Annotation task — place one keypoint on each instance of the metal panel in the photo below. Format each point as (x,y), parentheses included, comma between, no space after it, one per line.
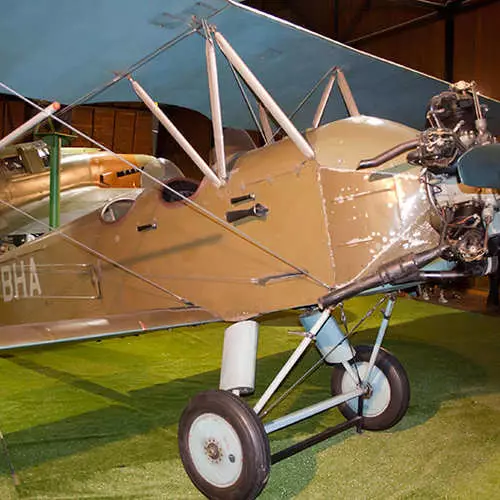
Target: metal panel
(372,217)
(198,258)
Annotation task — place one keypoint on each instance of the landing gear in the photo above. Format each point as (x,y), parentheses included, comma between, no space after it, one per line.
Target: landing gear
(223,446)
(387,392)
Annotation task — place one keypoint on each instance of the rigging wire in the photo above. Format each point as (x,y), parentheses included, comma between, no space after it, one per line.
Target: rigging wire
(307,97)
(92,251)
(247,100)
(137,65)
(200,209)
(349,334)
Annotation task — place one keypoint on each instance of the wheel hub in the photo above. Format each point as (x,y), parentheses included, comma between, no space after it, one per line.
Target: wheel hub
(376,393)
(213,451)
(368,391)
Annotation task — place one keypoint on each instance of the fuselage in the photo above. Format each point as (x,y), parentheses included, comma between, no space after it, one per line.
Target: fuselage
(327,224)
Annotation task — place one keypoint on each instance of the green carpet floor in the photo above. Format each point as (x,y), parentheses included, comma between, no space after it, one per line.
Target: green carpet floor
(99,419)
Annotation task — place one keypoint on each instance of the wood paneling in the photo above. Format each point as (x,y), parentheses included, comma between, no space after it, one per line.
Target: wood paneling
(319,14)
(123,139)
(104,126)
(422,47)
(477,50)
(361,17)
(143,142)
(14,114)
(82,118)
(419,47)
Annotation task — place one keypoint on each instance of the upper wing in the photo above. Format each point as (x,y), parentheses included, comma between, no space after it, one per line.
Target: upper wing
(104,39)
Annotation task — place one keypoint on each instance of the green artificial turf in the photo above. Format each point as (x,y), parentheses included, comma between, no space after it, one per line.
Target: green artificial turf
(99,419)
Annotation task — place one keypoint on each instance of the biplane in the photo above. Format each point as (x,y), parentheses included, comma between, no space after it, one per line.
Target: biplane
(399,191)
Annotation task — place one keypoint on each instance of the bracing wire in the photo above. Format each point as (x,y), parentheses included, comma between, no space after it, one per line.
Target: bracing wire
(200,209)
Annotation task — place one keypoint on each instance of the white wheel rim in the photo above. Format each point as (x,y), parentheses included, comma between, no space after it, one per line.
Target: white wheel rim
(380,390)
(216,450)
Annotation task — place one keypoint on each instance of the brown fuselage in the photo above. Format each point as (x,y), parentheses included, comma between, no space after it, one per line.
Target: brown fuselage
(327,225)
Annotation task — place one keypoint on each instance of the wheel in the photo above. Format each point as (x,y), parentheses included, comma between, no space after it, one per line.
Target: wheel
(223,446)
(388,393)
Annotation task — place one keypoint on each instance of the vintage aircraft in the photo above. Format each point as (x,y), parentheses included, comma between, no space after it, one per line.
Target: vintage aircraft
(359,205)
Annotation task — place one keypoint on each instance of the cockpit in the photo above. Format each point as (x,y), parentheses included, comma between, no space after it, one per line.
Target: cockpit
(24,158)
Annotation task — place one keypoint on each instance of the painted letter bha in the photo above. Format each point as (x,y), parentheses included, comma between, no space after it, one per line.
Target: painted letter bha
(7,287)
(35,288)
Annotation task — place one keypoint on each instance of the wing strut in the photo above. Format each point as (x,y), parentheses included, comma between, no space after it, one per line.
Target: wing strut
(213,87)
(345,91)
(273,108)
(324,100)
(266,126)
(175,133)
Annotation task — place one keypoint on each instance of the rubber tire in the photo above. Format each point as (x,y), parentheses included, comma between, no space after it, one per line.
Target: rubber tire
(250,431)
(398,383)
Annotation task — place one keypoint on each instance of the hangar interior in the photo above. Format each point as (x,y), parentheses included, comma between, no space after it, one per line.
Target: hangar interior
(100,419)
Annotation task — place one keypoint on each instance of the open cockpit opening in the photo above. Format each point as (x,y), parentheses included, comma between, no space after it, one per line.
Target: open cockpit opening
(184,187)
(116,209)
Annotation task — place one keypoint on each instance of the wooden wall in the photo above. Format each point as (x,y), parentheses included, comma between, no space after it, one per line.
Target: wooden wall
(12,114)
(420,47)
(477,49)
(122,130)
